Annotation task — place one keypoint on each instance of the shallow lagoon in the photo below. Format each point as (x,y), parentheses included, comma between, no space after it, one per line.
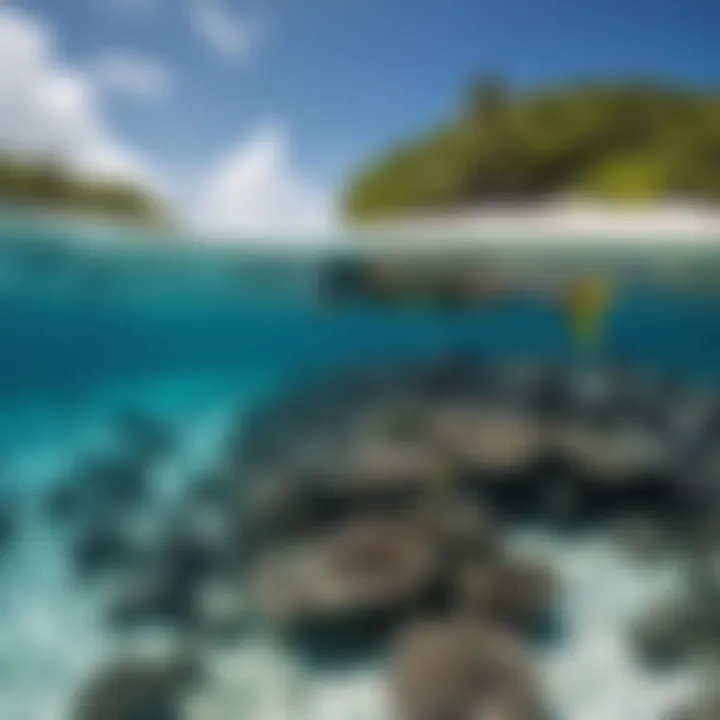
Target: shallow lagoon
(85,336)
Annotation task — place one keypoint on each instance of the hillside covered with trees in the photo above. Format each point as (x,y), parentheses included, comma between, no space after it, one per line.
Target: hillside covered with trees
(614,141)
(51,186)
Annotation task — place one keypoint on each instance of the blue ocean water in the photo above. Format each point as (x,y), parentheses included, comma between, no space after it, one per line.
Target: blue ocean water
(87,328)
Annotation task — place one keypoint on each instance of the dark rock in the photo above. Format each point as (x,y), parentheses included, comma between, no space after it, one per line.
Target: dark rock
(515,593)
(379,473)
(641,538)
(367,569)
(493,452)
(458,374)
(100,547)
(122,480)
(284,509)
(562,495)
(101,484)
(541,388)
(144,598)
(463,531)
(620,470)
(136,690)
(366,477)
(611,454)
(494,442)
(703,705)
(594,396)
(531,591)
(687,624)
(165,585)
(667,635)
(653,401)
(462,670)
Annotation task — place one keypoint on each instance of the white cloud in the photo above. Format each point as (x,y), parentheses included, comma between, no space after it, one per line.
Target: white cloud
(50,109)
(129,73)
(255,190)
(227,33)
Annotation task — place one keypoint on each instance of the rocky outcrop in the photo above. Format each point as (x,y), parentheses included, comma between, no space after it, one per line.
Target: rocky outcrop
(513,593)
(367,501)
(703,705)
(460,669)
(101,546)
(366,569)
(136,690)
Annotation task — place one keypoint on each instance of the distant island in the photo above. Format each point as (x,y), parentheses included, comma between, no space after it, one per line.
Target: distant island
(51,186)
(613,141)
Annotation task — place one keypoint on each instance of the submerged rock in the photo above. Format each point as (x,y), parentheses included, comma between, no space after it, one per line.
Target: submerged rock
(687,624)
(367,477)
(562,497)
(101,546)
(222,609)
(122,481)
(114,483)
(641,538)
(462,670)
(165,585)
(284,508)
(619,471)
(667,635)
(491,441)
(531,589)
(462,530)
(385,473)
(136,690)
(540,388)
(456,374)
(514,593)
(591,392)
(147,598)
(493,454)
(608,454)
(704,703)
(366,569)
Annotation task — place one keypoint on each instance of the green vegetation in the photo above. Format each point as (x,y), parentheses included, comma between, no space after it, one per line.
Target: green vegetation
(51,186)
(616,141)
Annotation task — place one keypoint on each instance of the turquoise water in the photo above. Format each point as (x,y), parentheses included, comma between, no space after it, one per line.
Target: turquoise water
(197,335)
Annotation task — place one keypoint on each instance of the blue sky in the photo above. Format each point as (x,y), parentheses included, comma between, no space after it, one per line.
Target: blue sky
(322,83)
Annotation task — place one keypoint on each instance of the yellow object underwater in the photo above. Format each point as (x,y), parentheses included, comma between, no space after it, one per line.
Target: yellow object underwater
(585,306)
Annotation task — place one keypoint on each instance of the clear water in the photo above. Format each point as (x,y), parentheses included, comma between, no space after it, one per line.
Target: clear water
(196,335)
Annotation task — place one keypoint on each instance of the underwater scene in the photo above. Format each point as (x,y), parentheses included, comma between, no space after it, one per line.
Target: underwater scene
(233,486)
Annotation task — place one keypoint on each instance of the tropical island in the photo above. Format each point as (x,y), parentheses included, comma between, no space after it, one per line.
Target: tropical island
(616,141)
(571,174)
(52,186)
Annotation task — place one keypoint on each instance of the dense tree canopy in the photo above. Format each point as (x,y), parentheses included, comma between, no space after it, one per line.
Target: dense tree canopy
(630,140)
(50,186)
